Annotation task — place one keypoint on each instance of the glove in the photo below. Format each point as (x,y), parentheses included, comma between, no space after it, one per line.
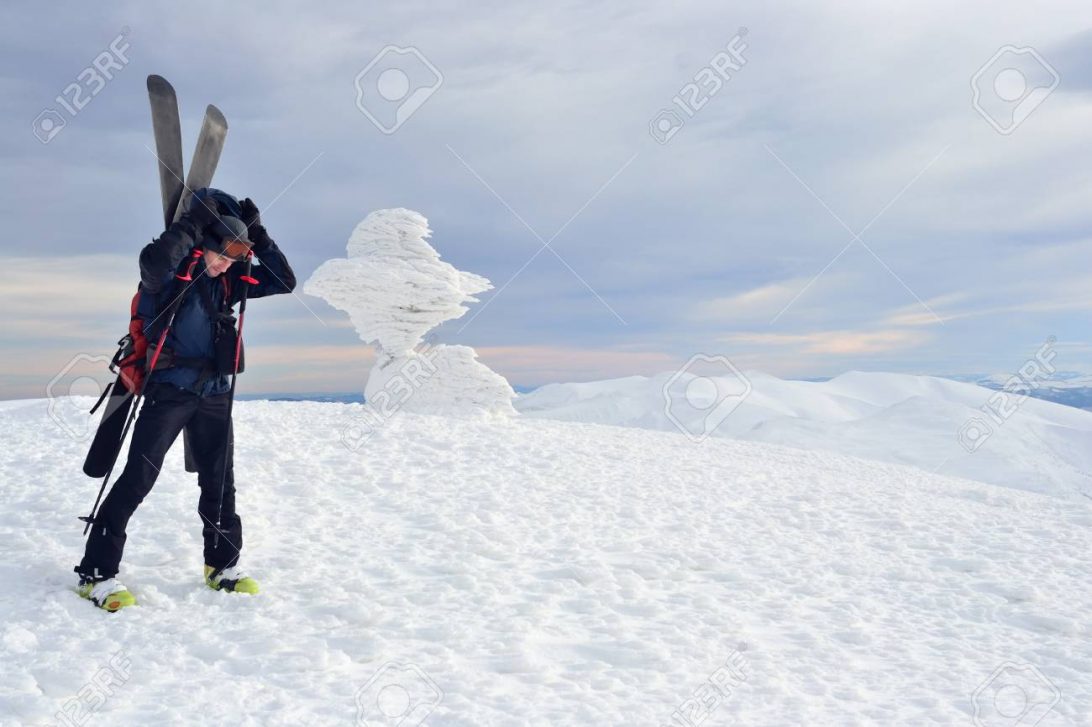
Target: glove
(255,231)
(203,214)
(250,212)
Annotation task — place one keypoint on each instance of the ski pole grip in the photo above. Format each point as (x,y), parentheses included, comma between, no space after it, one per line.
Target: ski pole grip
(194,257)
(246,277)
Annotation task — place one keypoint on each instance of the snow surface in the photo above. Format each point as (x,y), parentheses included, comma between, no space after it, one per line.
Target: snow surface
(915,420)
(396,289)
(533,572)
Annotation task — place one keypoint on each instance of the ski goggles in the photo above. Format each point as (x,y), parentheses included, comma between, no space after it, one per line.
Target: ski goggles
(236,250)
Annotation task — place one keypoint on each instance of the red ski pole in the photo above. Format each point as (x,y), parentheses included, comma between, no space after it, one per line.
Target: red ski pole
(246,278)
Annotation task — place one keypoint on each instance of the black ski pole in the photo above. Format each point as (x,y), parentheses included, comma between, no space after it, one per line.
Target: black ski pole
(173,311)
(246,278)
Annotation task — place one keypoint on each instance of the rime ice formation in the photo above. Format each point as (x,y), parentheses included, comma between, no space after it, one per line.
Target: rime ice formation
(395,288)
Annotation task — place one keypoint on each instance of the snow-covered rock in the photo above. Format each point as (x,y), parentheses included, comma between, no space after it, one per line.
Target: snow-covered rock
(916,420)
(440,379)
(395,288)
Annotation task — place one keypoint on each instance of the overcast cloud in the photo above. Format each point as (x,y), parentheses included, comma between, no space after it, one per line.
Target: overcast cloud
(837,204)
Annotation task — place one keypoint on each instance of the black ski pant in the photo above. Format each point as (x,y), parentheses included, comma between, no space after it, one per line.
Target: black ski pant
(167,409)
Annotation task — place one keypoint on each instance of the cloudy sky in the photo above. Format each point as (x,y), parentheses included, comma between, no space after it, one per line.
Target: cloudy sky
(836,203)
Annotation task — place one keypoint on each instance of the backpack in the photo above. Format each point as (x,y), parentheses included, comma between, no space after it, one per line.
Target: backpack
(137,355)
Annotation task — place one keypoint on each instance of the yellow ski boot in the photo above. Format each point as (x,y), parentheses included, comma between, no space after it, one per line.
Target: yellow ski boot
(231,579)
(109,594)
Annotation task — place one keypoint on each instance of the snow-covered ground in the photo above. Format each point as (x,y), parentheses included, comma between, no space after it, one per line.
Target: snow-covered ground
(533,572)
(936,424)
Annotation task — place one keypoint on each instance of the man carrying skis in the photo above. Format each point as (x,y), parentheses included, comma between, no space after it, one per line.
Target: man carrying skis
(189,388)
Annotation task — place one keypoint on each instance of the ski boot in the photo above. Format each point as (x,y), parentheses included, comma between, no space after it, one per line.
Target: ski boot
(231,579)
(109,594)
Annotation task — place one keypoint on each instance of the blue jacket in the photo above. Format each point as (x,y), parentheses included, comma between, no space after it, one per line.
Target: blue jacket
(191,335)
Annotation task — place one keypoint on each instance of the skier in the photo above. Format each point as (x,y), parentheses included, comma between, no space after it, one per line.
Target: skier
(189,388)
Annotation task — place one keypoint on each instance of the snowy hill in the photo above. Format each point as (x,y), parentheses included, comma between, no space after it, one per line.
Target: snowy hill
(532,572)
(916,420)
(1071,388)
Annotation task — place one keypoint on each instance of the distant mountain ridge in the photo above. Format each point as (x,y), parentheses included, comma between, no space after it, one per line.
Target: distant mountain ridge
(936,424)
(1070,388)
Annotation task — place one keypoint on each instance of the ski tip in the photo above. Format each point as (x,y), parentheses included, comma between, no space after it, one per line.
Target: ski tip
(158,82)
(216,115)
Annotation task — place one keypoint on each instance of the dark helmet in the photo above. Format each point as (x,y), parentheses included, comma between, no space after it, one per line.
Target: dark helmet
(233,241)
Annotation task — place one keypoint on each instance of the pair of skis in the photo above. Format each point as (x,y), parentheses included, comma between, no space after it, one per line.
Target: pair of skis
(122,404)
(168,148)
